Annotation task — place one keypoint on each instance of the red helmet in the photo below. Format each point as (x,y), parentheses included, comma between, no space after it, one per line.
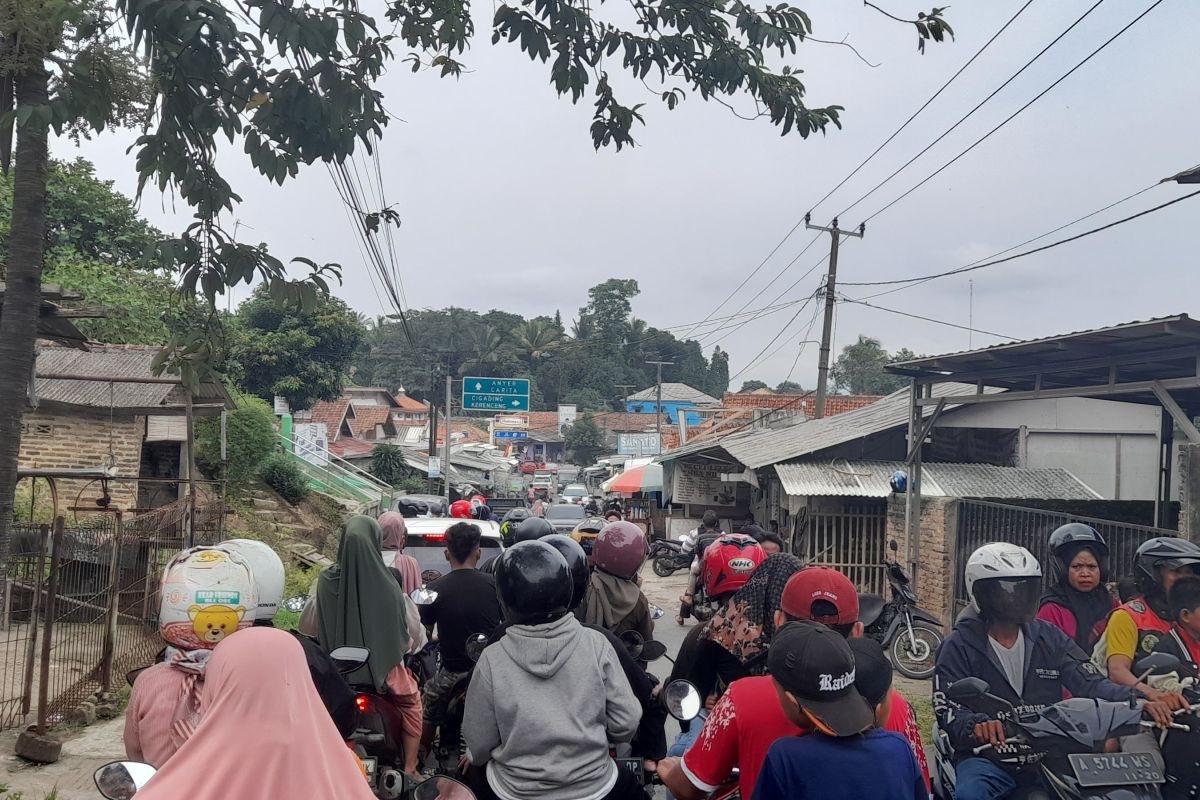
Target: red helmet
(462,509)
(729,562)
(620,549)
(478,500)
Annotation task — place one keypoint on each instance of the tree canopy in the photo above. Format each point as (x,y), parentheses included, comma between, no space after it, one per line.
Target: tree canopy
(584,439)
(859,368)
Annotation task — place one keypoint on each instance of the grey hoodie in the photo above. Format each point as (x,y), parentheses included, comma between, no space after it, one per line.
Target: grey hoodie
(544,703)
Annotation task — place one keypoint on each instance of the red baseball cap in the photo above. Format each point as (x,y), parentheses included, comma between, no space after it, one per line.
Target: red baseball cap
(820,583)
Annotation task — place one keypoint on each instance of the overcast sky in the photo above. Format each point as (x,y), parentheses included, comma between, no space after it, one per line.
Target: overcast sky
(506,205)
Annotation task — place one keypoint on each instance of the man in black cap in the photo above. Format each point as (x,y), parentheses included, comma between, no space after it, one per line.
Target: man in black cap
(846,757)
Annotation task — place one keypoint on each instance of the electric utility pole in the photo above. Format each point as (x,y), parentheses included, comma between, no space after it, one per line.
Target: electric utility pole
(836,235)
(658,402)
(446,440)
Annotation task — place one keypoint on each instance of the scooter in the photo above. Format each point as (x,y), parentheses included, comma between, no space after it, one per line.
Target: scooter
(449,747)
(1180,748)
(669,556)
(904,629)
(1064,743)
(121,780)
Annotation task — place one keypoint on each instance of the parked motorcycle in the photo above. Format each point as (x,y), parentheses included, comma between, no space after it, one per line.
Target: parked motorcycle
(1064,742)
(904,629)
(667,556)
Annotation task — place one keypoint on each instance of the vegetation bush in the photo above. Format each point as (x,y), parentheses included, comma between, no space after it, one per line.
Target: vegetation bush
(249,437)
(281,474)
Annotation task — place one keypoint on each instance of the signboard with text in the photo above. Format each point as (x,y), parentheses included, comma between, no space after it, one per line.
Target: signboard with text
(511,434)
(638,444)
(701,484)
(495,394)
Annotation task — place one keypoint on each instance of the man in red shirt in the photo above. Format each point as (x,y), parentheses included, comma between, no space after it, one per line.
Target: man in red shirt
(748,718)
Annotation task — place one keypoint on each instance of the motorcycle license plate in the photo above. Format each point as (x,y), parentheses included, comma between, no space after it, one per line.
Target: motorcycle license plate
(371,765)
(633,765)
(1117,769)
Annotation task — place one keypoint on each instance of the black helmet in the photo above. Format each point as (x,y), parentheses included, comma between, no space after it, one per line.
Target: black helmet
(533,583)
(509,521)
(1163,552)
(483,511)
(1067,540)
(576,562)
(532,528)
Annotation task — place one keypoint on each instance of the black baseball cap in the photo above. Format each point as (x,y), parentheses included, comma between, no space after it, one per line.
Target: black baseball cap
(815,664)
(872,670)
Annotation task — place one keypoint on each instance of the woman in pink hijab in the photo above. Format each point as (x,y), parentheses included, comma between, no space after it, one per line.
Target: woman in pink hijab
(263,731)
(395,536)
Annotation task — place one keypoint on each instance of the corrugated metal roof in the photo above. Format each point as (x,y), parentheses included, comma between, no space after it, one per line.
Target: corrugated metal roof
(118,361)
(841,478)
(675,393)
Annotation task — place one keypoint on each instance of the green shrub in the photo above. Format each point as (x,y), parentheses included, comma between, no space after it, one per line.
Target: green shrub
(250,439)
(285,477)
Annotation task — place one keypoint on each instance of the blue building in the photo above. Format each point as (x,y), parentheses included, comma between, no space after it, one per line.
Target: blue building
(676,399)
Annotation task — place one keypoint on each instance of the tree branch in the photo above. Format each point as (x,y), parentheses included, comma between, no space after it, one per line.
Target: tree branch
(843,43)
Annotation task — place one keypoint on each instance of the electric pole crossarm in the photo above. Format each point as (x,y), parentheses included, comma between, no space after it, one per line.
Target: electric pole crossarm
(835,235)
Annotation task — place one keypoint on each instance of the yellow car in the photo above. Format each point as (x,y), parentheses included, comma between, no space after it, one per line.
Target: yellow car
(585,532)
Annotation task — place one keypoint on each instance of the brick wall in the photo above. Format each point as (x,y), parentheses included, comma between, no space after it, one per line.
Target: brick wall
(81,439)
(936,567)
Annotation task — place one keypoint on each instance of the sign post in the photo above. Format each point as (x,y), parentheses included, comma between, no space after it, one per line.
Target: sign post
(495,394)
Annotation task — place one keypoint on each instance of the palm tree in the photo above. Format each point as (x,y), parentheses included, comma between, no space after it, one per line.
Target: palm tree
(536,338)
(483,345)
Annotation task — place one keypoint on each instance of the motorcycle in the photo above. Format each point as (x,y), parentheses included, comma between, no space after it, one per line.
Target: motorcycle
(448,745)
(1180,748)
(667,556)
(1064,743)
(905,630)
(121,780)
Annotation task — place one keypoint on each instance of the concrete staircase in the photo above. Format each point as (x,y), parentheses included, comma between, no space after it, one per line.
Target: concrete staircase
(269,508)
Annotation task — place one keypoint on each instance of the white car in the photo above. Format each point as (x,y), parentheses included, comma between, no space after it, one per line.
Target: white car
(575,493)
(427,543)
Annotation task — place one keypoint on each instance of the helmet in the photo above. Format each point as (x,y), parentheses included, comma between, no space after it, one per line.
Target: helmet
(267,569)
(620,549)
(207,593)
(462,509)
(533,583)
(1004,582)
(531,528)
(592,508)
(1163,552)
(729,562)
(478,500)
(483,511)
(1067,540)
(509,521)
(899,481)
(576,564)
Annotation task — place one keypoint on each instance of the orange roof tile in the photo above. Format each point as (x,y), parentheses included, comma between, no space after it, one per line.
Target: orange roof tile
(367,417)
(409,404)
(333,414)
(834,403)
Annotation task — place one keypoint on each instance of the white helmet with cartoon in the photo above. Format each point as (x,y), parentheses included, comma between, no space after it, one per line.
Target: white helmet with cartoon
(207,594)
(267,569)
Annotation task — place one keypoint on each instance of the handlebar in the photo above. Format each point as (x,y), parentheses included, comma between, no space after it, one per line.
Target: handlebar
(989,745)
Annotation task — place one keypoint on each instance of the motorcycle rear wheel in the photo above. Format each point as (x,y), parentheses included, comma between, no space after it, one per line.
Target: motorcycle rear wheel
(703,612)
(914,656)
(664,567)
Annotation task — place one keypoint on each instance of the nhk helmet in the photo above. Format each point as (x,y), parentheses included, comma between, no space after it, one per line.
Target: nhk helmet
(729,562)
(462,509)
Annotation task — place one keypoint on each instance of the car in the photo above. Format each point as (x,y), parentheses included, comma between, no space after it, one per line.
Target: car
(564,516)
(586,532)
(530,467)
(575,493)
(427,544)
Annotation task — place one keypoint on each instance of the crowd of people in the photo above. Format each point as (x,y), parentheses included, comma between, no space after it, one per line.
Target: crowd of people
(798,702)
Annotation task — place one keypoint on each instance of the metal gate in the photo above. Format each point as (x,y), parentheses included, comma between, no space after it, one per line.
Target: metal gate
(853,541)
(981,522)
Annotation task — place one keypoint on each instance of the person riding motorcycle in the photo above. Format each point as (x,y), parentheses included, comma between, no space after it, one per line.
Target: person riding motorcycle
(1079,601)
(586,531)
(615,601)
(462,509)
(530,731)
(527,530)
(708,532)
(509,522)
(1026,661)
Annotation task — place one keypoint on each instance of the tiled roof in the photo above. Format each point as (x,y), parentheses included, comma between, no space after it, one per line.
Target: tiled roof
(332,414)
(806,403)
(674,393)
(367,417)
(842,478)
(407,403)
(351,448)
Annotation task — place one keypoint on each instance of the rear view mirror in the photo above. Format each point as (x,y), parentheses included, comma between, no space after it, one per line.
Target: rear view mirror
(348,659)
(965,690)
(656,612)
(423,596)
(1157,664)
(634,644)
(295,603)
(682,700)
(440,787)
(120,780)
(475,645)
(893,546)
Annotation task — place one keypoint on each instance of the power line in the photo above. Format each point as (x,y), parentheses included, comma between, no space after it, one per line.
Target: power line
(924,105)
(791,286)
(774,339)
(1015,256)
(845,299)
(1014,115)
(978,106)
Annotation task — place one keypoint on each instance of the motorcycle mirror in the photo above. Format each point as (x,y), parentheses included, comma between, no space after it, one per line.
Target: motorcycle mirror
(870,606)
(1157,664)
(682,699)
(967,689)
(120,780)
(893,546)
(656,612)
(441,787)
(295,603)
(634,643)
(475,645)
(348,659)
(653,650)
(423,596)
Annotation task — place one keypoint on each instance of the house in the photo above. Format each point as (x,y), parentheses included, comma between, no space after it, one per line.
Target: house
(403,408)
(133,434)
(675,398)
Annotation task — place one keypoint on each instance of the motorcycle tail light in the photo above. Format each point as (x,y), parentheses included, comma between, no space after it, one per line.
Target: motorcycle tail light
(363,702)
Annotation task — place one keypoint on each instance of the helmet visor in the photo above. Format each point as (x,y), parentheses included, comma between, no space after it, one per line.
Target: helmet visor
(1008,600)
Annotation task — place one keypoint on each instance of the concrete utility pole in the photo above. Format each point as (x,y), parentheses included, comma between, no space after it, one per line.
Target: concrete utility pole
(446,446)
(836,235)
(658,402)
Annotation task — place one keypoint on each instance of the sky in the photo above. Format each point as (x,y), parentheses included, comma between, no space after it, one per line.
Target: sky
(505,203)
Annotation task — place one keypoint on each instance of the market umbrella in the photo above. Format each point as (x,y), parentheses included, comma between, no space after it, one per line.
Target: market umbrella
(647,478)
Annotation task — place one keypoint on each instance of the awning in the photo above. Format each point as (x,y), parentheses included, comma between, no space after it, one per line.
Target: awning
(648,478)
(842,478)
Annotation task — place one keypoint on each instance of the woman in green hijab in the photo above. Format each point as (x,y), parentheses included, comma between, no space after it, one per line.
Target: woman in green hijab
(359,603)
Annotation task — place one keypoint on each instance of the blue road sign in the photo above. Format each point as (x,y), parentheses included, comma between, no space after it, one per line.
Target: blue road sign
(495,394)
(512,435)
